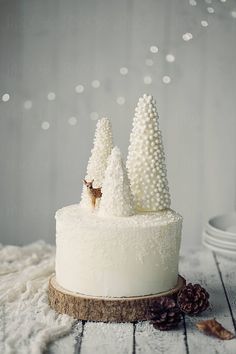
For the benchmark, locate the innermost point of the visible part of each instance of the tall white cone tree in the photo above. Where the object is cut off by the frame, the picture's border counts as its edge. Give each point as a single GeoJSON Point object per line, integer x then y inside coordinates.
{"type": "Point", "coordinates": [116, 194]}
{"type": "Point", "coordinates": [146, 159]}
{"type": "Point", "coordinates": [97, 163]}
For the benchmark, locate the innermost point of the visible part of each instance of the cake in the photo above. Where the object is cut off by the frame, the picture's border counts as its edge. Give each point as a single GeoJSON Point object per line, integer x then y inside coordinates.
{"type": "Point", "coordinates": [123, 239]}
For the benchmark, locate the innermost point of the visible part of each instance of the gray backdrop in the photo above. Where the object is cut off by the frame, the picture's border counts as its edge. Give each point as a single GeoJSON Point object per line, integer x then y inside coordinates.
{"type": "Point", "coordinates": [55, 45]}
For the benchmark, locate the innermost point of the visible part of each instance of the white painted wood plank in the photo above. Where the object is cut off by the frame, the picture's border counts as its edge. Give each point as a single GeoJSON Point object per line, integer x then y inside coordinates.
{"type": "Point", "coordinates": [107, 338]}
{"type": "Point", "coordinates": [228, 276]}
{"type": "Point", "coordinates": [69, 344]}
{"type": "Point", "coordinates": [199, 266]}
{"type": "Point", "coordinates": [148, 340]}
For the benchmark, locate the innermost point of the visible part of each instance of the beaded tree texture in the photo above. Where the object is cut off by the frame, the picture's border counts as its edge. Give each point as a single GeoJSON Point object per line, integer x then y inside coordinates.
{"type": "Point", "coordinates": [97, 164]}
{"type": "Point", "coordinates": [116, 194]}
{"type": "Point", "coordinates": [146, 159]}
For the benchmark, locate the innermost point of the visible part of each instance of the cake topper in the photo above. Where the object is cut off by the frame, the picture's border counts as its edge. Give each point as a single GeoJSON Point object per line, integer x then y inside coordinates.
{"type": "Point", "coordinates": [146, 159]}
{"type": "Point", "coordinates": [116, 198]}
{"type": "Point", "coordinates": [94, 193]}
{"type": "Point", "coordinates": [98, 160]}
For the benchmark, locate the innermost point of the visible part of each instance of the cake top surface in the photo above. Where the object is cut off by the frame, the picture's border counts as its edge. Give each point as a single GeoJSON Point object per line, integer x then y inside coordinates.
{"type": "Point", "coordinates": [75, 215]}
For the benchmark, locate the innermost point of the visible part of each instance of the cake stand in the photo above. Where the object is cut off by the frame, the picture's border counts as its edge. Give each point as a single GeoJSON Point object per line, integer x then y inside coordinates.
{"type": "Point", "coordinates": [104, 309]}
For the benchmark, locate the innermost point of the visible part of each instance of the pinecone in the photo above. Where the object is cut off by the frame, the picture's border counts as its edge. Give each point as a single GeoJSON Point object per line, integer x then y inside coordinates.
{"type": "Point", "coordinates": [193, 299]}
{"type": "Point", "coordinates": [165, 314]}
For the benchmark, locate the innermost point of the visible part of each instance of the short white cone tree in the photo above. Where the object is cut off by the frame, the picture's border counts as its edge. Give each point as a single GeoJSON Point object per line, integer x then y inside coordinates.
{"type": "Point", "coordinates": [97, 163]}
{"type": "Point", "coordinates": [116, 194]}
{"type": "Point", "coordinates": [146, 159]}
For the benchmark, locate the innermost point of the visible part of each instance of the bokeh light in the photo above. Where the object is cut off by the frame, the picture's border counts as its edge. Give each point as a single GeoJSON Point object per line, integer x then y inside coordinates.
{"type": "Point", "coordinates": [147, 80]}
{"type": "Point", "coordinates": [28, 105]}
{"type": "Point", "coordinates": [187, 36]}
{"type": "Point", "coordinates": [95, 83]}
{"type": "Point", "coordinates": [51, 96]}
{"type": "Point", "coordinates": [72, 121]}
{"type": "Point", "coordinates": [204, 23]}
{"type": "Point", "coordinates": [192, 2]}
{"type": "Point", "coordinates": [210, 10]}
{"type": "Point", "coordinates": [154, 49]}
{"type": "Point", "coordinates": [149, 62]}
{"type": "Point", "coordinates": [170, 58]}
{"type": "Point", "coordinates": [120, 100]}
{"type": "Point", "coordinates": [45, 125]}
{"type": "Point", "coordinates": [79, 88]}
{"type": "Point", "coordinates": [166, 79]}
{"type": "Point", "coordinates": [233, 14]}
{"type": "Point", "coordinates": [124, 71]}
{"type": "Point", "coordinates": [5, 97]}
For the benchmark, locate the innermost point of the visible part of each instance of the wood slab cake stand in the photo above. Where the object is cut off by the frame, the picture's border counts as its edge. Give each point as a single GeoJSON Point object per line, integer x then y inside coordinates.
{"type": "Point", "coordinates": [104, 309]}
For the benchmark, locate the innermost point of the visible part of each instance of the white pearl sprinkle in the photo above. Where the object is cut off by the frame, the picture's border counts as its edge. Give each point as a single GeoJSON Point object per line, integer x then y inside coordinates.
{"type": "Point", "coordinates": [45, 125]}
{"type": "Point", "coordinates": [5, 97]}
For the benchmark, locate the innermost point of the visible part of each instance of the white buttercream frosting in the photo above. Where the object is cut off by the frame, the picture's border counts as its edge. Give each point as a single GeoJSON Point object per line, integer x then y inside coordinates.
{"type": "Point", "coordinates": [146, 159]}
{"type": "Point", "coordinates": [117, 256]}
{"type": "Point", "coordinates": [97, 163]}
{"type": "Point", "coordinates": [116, 195]}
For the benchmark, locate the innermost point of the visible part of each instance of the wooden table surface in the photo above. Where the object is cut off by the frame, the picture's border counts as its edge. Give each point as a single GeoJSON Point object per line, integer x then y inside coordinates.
{"type": "Point", "coordinates": [215, 273]}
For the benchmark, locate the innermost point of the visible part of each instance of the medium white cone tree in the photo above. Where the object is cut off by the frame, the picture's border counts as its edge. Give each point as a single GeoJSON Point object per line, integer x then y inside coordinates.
{"type": "Point", "coordinates": [146, 159]}
{"type": "Point", "coordinates": [116, 194]}
{"type": "Point", "coordinates": [97, 163]}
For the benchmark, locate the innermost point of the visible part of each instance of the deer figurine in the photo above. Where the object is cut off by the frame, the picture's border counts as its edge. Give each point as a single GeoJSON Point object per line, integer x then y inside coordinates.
{"type": "Point", "coordinates": [94, 193]}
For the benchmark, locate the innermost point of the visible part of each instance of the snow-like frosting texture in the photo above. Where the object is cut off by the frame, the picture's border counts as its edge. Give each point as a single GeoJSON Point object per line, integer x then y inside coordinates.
{"type": "Point", "coordinates": [117, 256]}
{"type": "Point", "coordinates": [97, 163]}
{"type": "Point", "coordinates": [116, 195]}
{"type": "Point", "coordinates": [146, 159]}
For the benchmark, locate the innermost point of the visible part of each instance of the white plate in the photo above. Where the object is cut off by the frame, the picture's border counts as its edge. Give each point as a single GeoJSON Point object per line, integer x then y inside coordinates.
{"type": "Point", "coordinates": [224, 252]}
{"type": "Point", "coordinates": [218, 241]}
{"type": "Point", "coordinates": [223, 226]}
{"type": "Point", "coordinates": [221, 237]}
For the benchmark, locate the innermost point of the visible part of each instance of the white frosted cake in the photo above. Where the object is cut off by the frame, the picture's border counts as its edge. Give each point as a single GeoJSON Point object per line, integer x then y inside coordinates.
{"type": "Point", "coordinates": [117, 256]}
{"type": "Point", "coordinates": [122, 239]}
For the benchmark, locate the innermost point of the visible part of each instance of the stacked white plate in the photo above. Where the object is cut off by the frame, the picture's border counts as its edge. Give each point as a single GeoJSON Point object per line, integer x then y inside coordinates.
{"type": "Point", "coordinates": [219, 234]}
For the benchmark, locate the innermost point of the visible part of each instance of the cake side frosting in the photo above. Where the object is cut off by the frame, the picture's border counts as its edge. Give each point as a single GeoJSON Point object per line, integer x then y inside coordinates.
{"type": "Point", "coordinates": [117, 256]}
